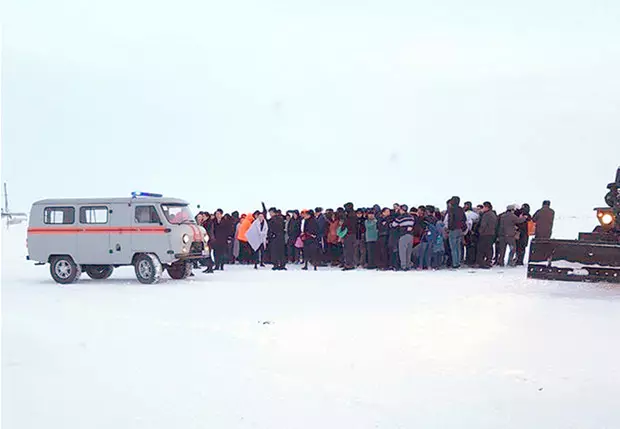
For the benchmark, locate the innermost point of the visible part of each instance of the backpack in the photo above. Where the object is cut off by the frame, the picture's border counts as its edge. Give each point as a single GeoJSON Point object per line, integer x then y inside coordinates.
{"type": "Point", "coordinates": [435, 238]}
{"type": "Point", "coordinates": [430, 233]}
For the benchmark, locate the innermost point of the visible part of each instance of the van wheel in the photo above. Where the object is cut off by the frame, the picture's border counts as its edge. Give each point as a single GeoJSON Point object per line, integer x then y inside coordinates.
{"type": "Point", "coordinates": [180, 270]}
{"type": "Point", "coordinates": [64, 270]}
{"type": "Point", "coordinates": [99, 272]}
{"type": "Point", "coordinates": [148, 268]}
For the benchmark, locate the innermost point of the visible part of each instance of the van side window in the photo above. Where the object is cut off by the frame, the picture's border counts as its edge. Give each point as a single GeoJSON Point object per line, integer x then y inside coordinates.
{"type": "Point", "coordinates": [94, 215]}
{"type": "Point", "coordinates": [146, 214]}
{"type": "Point", "coordinates": [59, 215]}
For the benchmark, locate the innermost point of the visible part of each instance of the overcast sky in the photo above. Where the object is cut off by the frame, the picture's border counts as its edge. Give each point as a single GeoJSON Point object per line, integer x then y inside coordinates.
{"type": "Point", "coordinates": [227, 103]}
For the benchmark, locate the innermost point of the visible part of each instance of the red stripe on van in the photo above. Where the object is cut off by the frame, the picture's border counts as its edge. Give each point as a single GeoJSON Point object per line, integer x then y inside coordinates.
{"type": "Point", "coordinates": [97, 230]}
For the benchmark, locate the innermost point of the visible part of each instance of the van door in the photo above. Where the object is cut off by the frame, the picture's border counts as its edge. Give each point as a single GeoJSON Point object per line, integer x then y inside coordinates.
{"type": "Point", "coordinates": [93, 238]}
{"type": "Point", "coordinates": [151, 236]}
{"type": "Point", "coordinates": [120, 234]}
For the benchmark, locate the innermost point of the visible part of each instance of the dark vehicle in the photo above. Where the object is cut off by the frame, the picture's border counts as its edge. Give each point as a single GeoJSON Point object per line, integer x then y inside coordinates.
{"type": "Point", "coordinates": [593, 257]}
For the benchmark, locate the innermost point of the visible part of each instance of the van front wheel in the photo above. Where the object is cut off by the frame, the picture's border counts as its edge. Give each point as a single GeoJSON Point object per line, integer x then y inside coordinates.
{"type": "Point", "coordinates": [64, 270]}
{"type": "Point", "coordinates": [99, 272]}
{"type": "Point", "coordinates": [180, 270]}
{"type": "Point", "coordinates": [148, 268]}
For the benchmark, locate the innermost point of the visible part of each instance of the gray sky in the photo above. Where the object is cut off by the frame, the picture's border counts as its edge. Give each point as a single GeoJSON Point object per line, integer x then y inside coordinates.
{"type": "Point", "coordinates": [301, 104]}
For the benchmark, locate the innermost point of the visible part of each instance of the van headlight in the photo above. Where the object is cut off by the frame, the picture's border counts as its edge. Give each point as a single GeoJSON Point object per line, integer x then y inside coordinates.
{"type": "Point", "coordinates": [185, 238]}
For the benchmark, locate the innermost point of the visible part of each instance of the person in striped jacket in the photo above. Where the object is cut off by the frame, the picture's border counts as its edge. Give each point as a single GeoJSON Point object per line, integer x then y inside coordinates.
{"type": "Point", "coordinates": [404, 224]}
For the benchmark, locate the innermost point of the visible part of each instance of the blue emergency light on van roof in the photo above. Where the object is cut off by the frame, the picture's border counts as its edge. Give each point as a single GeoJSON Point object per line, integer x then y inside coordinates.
{"type": "Point", "coordinates": [145, 194]}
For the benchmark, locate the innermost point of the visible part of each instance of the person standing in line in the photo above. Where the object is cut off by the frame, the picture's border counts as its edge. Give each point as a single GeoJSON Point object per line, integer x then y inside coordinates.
{"type": "Point", "coordinates": [321, 221]}
{"type": "Point", "coordinates": [333, 241]}
{"type": "Point", "coordinates": [372, 236]}
{"type": "Point", "coordinates": [456, 222]}
{"type": "Point", "coordinates": [293, 231]}
{"type": "Point", "coordinates": [383, 227]}
{"type": "Point", "coordinates": [220, 237]}
{"type": "Point", "coordinates": [360, 242]}
{"type": "Point", "coordinates": [348, 242]}
{"type": "Point", "coordinates": [277, 243]}
{"type": "Point", "coordinates": [309, 236]}
{"type": "Point", "coordinates": [486, 236]}
{"type": "Point", "coordinates": [523, 238]}
{"type": "Point", "coordinates": [470, 237]}
{"type": "Point", "coordinates": [261, 229]}
{"type": "Point", "coordinates": [543, 218]}
{"type": "Point", "coordinates": [508, 222]}
{"type": "Point", "coordinates": [404, 224]}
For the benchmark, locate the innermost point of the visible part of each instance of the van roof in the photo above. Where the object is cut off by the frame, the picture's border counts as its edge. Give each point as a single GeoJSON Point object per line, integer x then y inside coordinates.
{"type": "Point", "coordinates": [126, 200]}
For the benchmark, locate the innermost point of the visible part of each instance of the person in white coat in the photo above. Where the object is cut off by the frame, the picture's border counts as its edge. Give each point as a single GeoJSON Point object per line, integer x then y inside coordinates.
{"type": "Point", "coordinates": [257, 238]}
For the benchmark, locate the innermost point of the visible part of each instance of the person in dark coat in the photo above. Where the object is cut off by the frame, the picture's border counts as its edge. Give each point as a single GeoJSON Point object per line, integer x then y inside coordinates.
{"type": "Point", "coordinates": [383, 252]}
{"type": "Point", "coordinates": [524, 238]}
{"type": "Point", "coordinates": [220, 237]}
{"type": "Point", "coordinates": [202, 219]}
{"type": "Point", "coordinates": [348, 242]}
{"type": "Point", "coordinates": [309, 235]}
{"type": "Point", "coordinates": [321, 221]}
{"type": "Point", "coordinates": [277, 243]}
{"type": "Point", "coordinates": [457, 225]}
{"type": "Point", "coordinates": [486, 236]}
{"type": "Point", "coordinates": [544, 221]}
{"type": "Point", "coordinates": [293, 231]}
{"type": "Point", "coordinates": [508, 222]}
{"type": "Point", "coordinates": [359, 254]}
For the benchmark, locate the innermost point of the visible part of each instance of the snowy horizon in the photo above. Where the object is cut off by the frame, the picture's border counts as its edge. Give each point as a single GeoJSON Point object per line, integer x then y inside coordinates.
{"type": "Point", "coordinates": [228, 104]}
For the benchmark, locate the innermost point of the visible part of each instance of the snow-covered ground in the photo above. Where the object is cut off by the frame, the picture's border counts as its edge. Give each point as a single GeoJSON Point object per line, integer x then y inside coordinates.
{"type": "Point", "coordinates": [247, 349]}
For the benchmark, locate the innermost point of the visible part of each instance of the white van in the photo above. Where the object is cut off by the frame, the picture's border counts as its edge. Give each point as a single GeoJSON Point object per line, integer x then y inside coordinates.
{"type": "Point", "coordinates": [97, 235]}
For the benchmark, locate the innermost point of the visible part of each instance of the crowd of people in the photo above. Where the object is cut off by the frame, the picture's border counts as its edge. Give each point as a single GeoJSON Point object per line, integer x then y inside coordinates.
{"type": "Point", "coordinates": [398, 238]}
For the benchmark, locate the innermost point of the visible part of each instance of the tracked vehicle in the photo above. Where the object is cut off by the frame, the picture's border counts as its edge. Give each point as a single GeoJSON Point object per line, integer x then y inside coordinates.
{"type": "Point", "coordinates": [593, 257]}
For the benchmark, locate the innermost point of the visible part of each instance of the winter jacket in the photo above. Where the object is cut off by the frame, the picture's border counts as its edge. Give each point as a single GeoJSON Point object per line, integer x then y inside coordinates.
{"type": "Point", "coordinates": [276, 229]}
{"type": "Point", "coordinates": [372, 232]}
{"type": "Point", "coordinates": [439, 245]}
{"type": "Point", "coordinates": [293, 230]}
{"type": "Point", "coordinates": [544, 222]}
{"type": "Point", "coordinates": [456, 219]}
{"type": "Point", "coordinates": [404, 224]}
{"type": "Point", "coordinates": [508, 222]}
{"type": "Point", "coordinates": [350, 223]}
{"type": "Point", "coordinates": [322, 224]}
{"type": "Point", "coordinates": [361, 229]}
{"type": "Point", "coordinates": [244, 226]}
{"type": "Point", "coordinates": [310, 230]}
{"type": "Point", "coordinates": [332, 233]}
{"type": "Point", "coordinates": [471, 218]}
{"type": "Point", "coordinates": [488, 224]}
{"type": "Point", "coordinates": [383, 226]}
{"type": "Point", "coordinates": [221, 232]}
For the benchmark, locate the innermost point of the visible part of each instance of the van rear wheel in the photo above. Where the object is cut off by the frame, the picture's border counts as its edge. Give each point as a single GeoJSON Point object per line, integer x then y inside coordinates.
{"type": "Point", "coordinates": [180, 270]}
{"type": "Point", "coordinates": [99, 272]}
{"type": "Point", "coordinates": [64, 270]}
{"type": "Point", "coordinates": [148, 268]}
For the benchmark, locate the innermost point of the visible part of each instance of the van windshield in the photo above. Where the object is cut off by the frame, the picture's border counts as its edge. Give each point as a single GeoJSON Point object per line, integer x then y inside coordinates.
{"type": "Point", "coordinates": [177, 213]}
